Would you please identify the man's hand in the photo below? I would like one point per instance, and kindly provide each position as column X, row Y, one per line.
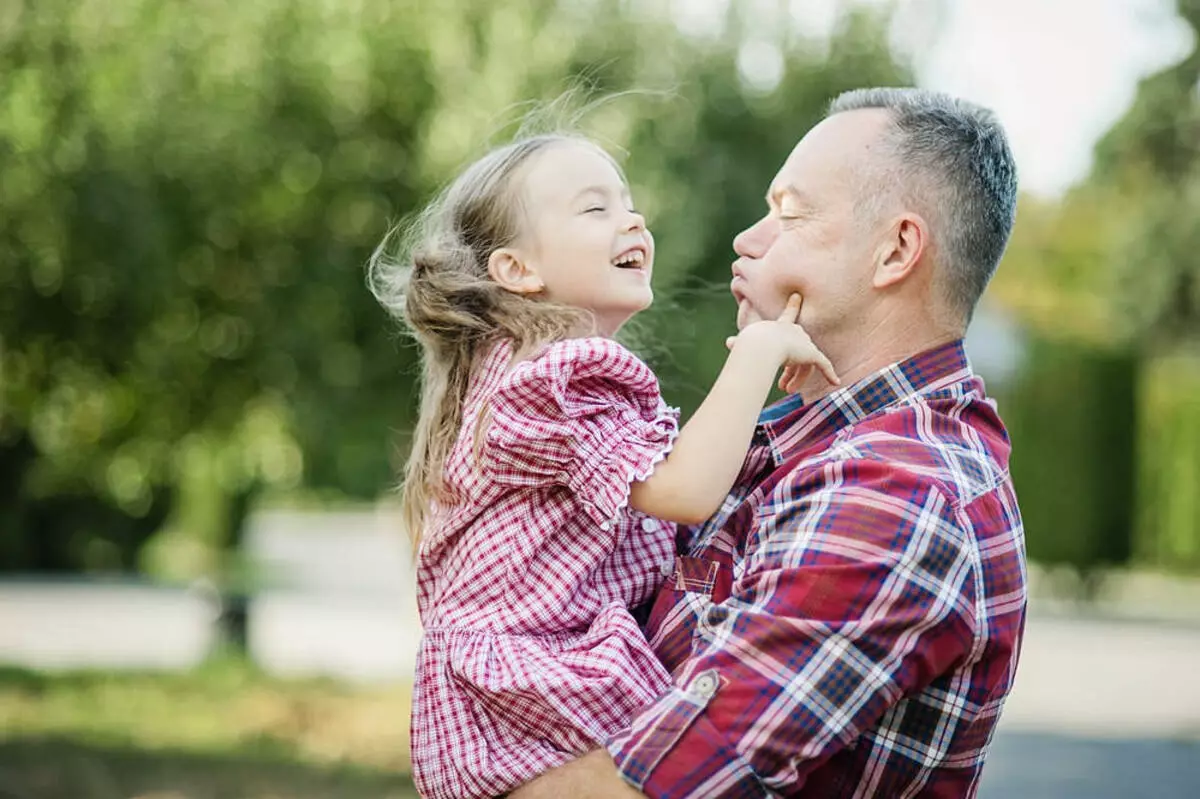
column 592, row 775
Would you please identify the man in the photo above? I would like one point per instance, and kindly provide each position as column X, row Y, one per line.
column 848, row 625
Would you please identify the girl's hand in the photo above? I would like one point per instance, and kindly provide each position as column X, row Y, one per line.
column 783, row 342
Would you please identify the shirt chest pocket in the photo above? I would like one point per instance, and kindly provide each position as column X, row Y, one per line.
column 710, row 577
column 689, row 592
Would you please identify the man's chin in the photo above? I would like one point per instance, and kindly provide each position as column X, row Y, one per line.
column 746, row 315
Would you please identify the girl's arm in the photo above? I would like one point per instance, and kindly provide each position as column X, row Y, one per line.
column 690, row 485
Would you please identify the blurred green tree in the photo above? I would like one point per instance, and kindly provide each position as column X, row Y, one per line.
column 1108, row 282
column 185, row 220
column 1151, row 159
column 190, row 196
column 1152, row 156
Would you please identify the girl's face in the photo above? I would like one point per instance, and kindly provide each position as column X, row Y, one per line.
column 582, row 243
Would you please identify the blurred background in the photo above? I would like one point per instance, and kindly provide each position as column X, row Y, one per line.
column 204, row 588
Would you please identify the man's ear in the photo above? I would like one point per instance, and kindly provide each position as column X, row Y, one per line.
column 513, row 273
column 900, row 253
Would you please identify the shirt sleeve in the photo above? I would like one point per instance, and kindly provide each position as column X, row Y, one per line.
column 860, row 590
column 585, row 414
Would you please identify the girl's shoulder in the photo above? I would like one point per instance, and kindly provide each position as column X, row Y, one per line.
column 583, row 364
column 585, row 414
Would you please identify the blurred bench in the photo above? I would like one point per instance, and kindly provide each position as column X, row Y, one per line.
column 338, row 595
column 331, row 593
column 76, row 623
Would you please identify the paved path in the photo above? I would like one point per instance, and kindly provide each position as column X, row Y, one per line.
column 1103, row 708
column 1046, row 766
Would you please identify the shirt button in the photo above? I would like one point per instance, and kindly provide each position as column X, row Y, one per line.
column 705, row 685
column 668, row 569
column 605, row 526
column 648, row 525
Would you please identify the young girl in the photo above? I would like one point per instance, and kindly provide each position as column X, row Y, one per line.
column 546, row 469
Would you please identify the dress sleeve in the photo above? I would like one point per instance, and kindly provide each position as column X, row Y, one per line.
column 584, row 414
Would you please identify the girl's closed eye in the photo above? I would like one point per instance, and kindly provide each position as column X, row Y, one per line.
column 595, row 209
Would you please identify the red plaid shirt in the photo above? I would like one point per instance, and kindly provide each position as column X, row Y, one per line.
column 530, row 655
column 849, row 623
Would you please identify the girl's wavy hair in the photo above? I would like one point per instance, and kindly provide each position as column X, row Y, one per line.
column 432, row 275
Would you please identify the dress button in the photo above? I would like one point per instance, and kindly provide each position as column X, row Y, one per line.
column 668, row 569
column 648, row 525
column 705, row 685
column 605, row 526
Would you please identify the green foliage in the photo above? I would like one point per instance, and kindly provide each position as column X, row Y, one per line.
column 223, row 729
column 1072, row 420
column 1168, row 524
column 1151, row 162
column 190, row 197
column 185, row 221
column 1112, row 268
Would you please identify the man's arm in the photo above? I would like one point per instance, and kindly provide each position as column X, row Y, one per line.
column 593, row 776
column 860, row 592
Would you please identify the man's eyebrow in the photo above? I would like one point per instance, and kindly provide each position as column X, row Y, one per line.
column 776, row 194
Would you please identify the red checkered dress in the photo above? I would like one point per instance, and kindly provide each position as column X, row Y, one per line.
column 530, row 655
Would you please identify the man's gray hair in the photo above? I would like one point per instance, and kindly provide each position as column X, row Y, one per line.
column 952, row 158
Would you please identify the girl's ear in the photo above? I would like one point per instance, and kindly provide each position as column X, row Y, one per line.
column 513, row 273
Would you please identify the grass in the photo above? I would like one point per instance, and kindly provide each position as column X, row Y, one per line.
column 224, row 731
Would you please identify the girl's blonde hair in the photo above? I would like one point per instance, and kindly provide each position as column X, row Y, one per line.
column 433, row 276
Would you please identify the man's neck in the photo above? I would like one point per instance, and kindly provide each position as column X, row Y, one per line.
column 864, row 355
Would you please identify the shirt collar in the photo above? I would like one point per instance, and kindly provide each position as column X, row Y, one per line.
column 789, row 423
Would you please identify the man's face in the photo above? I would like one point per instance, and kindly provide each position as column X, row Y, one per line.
column 810, row 241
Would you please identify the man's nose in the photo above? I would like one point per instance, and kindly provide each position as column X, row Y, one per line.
column 754, row 241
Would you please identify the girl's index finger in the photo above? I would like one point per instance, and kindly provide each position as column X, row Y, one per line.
column 791, row 311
